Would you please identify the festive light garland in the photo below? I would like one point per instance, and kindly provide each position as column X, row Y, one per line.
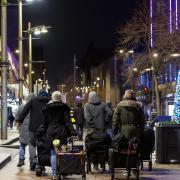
column 176, row 112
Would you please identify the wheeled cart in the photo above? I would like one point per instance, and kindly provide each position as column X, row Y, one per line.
column 125, row 159
column 70, row 163
column 146, row 157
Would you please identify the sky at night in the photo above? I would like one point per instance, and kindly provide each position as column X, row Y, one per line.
column 75, row 23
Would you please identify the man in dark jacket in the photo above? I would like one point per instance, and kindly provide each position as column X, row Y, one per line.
column 24, row 134
column 79, row 117
column 34, row 106
column 128, row 118
column 56, row 113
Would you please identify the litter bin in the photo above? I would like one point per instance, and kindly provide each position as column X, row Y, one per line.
column 167, row 143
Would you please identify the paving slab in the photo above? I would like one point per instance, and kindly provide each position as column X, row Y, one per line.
column 4, row 159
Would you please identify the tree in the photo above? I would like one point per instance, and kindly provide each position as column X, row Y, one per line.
column 176, row 114
column 153, row 48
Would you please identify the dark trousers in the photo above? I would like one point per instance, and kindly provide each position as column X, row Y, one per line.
column 32, row 147
column 79, row 130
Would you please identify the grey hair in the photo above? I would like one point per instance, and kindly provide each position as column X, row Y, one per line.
column 129, row 94
column 56, row 96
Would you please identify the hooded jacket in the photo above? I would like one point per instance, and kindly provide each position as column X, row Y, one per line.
column 55, row 121
column 96, row 113
column 128, row 118
column 34, row 107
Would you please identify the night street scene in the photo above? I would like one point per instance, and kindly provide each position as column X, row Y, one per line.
column 90, row 89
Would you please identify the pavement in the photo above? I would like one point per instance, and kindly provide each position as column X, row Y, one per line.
column 9, row 152
column 7, row 146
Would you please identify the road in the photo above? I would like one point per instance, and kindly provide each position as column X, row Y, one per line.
column 11, row 172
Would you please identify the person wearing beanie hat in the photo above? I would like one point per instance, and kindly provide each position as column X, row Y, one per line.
column 34, row 107
column 56, row 115
column 93, row 107
column 96, row 114
column 43, row 92
column 128, row 118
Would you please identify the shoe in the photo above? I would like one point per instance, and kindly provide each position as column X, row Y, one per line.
column 20, row 163
column 32, row 166
column 96, row 167
column 54, row 177
column 125, row 173
column 134, row 172
column 43, row 168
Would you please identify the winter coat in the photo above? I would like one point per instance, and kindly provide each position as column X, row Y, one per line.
column 109, row 123
column 34, row 106
column 96, row 113
column 55, row 122
column 79, row 115
column 128, row 119
column 24, row 129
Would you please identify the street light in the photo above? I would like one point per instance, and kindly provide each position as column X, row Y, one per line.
column 17, row 51
column 44, row 77
column 4, row 67
column 20, row 47
column 37, row 31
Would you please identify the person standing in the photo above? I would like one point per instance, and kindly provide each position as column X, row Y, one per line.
column 79, row 117
column 128, row 118
column 24, row 134
column 34, row 107
column 97, row 115
column 56, row 114
column 11, row 119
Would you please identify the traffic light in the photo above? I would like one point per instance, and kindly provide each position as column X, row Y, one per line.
column 146, row 90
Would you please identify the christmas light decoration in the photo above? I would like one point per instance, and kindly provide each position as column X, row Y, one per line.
column 176, row 113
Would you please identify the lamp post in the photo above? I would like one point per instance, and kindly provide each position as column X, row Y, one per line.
column 30, row 56
column 62, row 88
column 37, row 31
column 4, row 66
column 44, row 77
column 115, row 79
column 20, row 47
column 74, row 83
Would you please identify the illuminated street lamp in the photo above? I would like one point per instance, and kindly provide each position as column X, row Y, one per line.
column 20, row 47
column 155, row 55
column 17, row 51
column 121, row 51
column 26, row 65
column 131, row 51
column 37, row 31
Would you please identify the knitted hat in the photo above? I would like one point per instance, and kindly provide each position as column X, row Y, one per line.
column 91, row 94
column 43, row 92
